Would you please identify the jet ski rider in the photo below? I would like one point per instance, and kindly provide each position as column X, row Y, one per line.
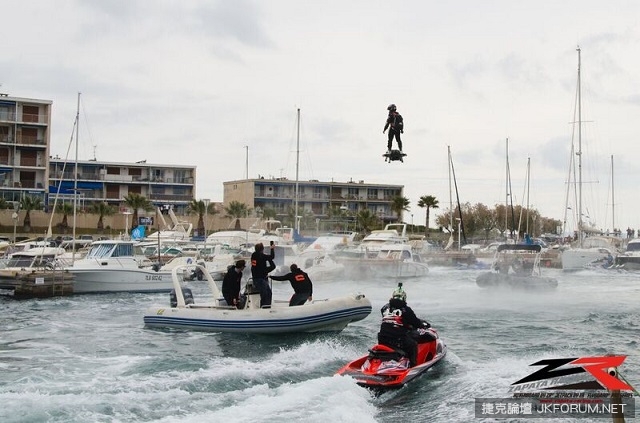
column 399, row 324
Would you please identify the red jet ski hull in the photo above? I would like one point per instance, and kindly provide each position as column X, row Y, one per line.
column 385, row 368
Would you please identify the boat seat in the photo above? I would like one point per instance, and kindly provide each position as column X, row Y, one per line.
column 396, row 354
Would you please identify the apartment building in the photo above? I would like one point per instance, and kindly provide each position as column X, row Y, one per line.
column 315, row 197
column 110, row 182
column 24, row 147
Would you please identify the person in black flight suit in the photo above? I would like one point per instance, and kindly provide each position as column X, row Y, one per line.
column 232, row 282
column 398, row 323
column 396, row 127
column 301, row 284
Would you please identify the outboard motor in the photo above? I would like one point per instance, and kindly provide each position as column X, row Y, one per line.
column 186, row 293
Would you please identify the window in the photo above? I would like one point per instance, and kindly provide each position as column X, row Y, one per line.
column 30, row 113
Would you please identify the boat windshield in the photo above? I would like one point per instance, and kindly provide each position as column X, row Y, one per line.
column 20, row 261
column 110, row 250
column 633, row 246
column 100, row 250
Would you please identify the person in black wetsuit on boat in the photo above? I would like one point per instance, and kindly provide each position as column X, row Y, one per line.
column 261, row 265
column 232, row 282
column 301, row 284
column 398, row 325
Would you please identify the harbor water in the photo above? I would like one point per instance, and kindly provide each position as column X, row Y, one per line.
column 89, row 358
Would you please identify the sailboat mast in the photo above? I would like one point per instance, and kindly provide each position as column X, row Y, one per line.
column 450, row 193
column 75, row 183
column 506, row 190
column 613, row 198
column 297, row 222
column 579, row 153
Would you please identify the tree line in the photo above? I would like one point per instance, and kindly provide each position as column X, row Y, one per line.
column 477, row 220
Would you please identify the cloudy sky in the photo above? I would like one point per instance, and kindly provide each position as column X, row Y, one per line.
column 194, row 82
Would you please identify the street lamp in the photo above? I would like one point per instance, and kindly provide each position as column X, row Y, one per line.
column 459, row 231
column 344, row 216
column 206, row 211
column 411, row 222
column 14, row 216
column 126, row 226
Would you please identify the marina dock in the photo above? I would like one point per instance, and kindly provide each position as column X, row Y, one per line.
column 37, row 284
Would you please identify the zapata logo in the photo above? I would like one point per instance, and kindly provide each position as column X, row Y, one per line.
column 556, row 370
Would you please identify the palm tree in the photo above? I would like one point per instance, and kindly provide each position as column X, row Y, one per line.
column 269, row 213
column 236, row 210
column 212, row 210
column 430, row 202
column 65, row 209
column 198, row 207
column 136, row 201
column 367, row 220
column 102, row 209
column 27, row 204
column 399, row 204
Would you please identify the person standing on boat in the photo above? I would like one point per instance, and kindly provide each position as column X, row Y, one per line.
column 232, row 282
column 261, row 265
column 396, row 127
column 301, row 284
column 398, row 325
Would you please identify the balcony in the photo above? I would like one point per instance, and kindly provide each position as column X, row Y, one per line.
column 25, row 183
column 23, row 140
column 30, row 118
column 170, row 197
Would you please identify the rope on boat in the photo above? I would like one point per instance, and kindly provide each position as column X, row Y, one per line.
column 635, row 391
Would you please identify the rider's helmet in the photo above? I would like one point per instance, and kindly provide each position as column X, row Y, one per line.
column 399, row 294
column 392, row 107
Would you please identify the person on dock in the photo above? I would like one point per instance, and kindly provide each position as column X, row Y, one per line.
column 261, row 265
column 301, row 284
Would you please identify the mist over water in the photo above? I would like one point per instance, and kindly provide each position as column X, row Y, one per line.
column 89, row 358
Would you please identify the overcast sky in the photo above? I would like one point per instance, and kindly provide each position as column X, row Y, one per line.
column 194, row 82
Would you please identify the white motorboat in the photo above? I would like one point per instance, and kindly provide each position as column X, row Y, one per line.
column 397, row 260
column 178, row 231
column 393, row 233
column 315, row 262
column 117, row 266
column 630, row 259
column 36, row 273
column 392, row 260
column 213, row 314
column 595, row 250
column 235, row 238
column 516, row 266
